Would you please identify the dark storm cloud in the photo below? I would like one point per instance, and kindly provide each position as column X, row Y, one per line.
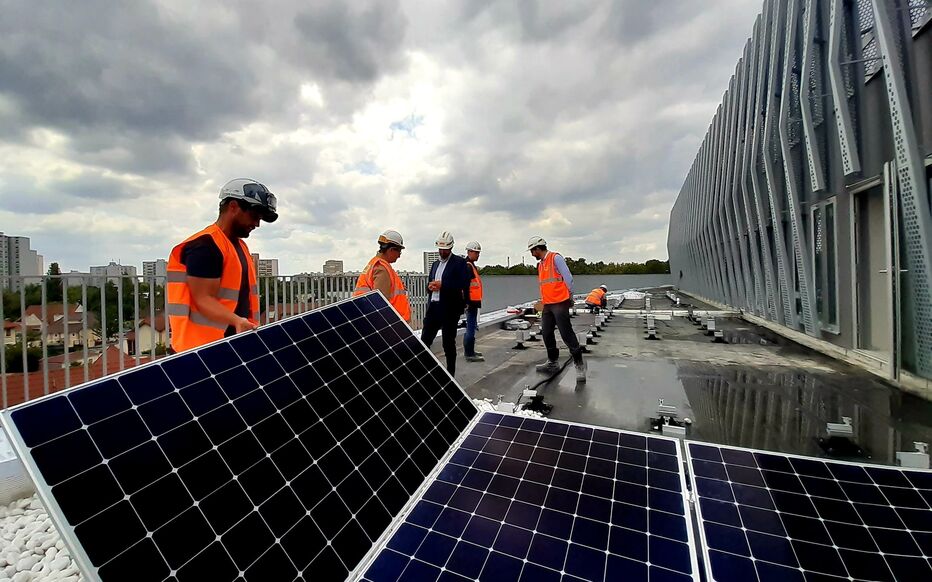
column 351, row 41
column 25, row 195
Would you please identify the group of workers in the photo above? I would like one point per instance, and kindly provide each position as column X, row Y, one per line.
column 213, row 288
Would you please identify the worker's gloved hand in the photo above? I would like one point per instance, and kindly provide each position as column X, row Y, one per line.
column 243, row 324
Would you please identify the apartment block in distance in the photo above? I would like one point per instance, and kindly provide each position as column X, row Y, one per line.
column 333, row 267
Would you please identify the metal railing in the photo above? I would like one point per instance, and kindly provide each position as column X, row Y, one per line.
column 63, row 330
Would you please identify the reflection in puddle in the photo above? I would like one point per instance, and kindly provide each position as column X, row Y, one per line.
column 787, row 411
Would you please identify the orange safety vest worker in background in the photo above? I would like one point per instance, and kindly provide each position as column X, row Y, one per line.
column 475, row 286
column 555, row 291
column 553, row 288
column 595, row 296
column 209, row 295
column 373, row 276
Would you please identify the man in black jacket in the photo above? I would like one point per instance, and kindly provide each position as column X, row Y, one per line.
column 448, row 292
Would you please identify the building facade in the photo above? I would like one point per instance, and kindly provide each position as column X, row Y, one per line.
column 333, row 267
column 268, row 268
column 807, row 204
column 18, row 259
column 157, row 268
column 111, row 273
column 429, row 258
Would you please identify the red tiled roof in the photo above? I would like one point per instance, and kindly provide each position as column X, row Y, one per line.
column 16, row 386
column 51, row 310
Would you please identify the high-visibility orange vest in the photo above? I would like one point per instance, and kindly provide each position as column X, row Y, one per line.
column 189, row 327
column 475, row 286
column 595, row 296
column 553, row 289
column 399, row 296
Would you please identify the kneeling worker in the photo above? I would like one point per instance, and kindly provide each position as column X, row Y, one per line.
column 556, row 293
column 473, row 305
column 379, row 274
column 597, row 299
column 212, row 285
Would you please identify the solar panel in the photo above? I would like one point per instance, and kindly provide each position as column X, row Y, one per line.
column 770, row 516
column 528, row 499
column 280, row 454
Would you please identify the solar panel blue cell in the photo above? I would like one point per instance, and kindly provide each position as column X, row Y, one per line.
column 292, row 462
column 518, row 518
column 769, row 516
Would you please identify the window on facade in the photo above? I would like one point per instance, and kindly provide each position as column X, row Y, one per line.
column 824, row 264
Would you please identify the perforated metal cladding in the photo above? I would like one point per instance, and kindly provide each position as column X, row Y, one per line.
column 842, row 82
column 919, row 12
column 810, row 98
column 789, row 111
column 913, row 195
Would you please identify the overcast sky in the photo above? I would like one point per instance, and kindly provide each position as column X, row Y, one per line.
column 574, row 120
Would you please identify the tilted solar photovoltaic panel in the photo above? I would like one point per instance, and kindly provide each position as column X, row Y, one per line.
column 535, row 500
column 280, row 454
column 769, row 516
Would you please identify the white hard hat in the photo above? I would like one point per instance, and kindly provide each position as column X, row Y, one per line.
column 603, row 287
column 392, row 237
column 536, row 241
column 445, row 240
column 474, row 246
column 254, row 193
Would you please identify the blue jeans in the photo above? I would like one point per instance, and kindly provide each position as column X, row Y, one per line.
column 472, row 324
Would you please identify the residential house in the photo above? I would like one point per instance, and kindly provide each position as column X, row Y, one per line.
column 149, row 330
column 10, row 331
column 55, row 325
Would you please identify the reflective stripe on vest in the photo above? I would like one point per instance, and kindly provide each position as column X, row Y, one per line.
column 553, row 288
column 398, row 295
column 191, row 328
column 475, row 286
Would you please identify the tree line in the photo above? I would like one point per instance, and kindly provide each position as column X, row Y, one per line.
column 582, row 267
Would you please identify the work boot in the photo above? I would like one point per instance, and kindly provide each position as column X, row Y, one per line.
column 551, row 367
column 480, row 354
column 476, row 358
column 581, row 371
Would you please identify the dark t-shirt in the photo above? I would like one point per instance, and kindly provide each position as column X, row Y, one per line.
column 203, row 258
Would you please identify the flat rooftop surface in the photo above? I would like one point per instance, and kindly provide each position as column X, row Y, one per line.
column 758, row 390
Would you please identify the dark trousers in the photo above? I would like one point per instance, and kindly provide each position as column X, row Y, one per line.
column 440, row 318
column 558, row 315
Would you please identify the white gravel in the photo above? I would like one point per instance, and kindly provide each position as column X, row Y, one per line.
column 30, row 547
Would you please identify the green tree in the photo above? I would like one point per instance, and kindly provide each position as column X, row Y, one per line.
column 14, row 358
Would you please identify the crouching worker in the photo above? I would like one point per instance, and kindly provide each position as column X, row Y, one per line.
column 597, row 299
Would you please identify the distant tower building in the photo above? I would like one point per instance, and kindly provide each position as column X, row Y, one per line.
column 157, row 268
column 17, row 259
column 255, row 262
column 333, row 267
column 429, row 258
column 268, row 268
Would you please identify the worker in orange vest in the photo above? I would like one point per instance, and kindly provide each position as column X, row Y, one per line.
column 380, row 275
column 556, row 293
column 473, row 304
column 212, row 286
column 597, row 299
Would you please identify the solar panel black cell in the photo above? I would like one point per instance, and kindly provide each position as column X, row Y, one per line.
column 496, row 512
column 287, row 467
column 769, row 516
